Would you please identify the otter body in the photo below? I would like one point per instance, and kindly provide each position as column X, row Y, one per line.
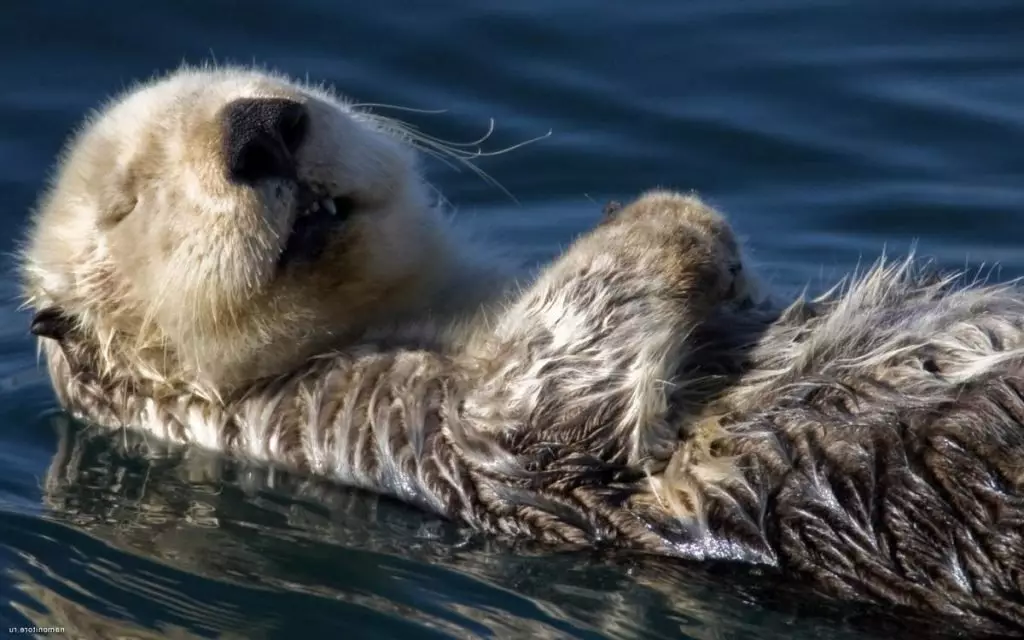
column 637, row 394
column 880, row 431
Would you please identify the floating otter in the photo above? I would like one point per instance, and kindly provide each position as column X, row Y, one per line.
column 636, row 394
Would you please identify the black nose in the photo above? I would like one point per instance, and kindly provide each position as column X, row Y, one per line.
column 261, row 136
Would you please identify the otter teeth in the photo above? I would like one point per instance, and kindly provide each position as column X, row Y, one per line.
column 327, row 204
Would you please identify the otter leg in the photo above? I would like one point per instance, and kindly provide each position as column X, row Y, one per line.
column 587, row 357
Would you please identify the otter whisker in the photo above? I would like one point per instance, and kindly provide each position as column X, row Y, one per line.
column 380, row 105
column 455, row 150
column 459, row 148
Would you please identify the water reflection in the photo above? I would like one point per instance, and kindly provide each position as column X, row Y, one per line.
column 141, row 538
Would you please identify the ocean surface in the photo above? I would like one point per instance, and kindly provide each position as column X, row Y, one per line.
column 829, row 132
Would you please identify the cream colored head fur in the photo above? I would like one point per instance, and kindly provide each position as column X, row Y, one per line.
column 146, row 242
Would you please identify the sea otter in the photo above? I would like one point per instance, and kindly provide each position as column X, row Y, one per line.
column 233, row 260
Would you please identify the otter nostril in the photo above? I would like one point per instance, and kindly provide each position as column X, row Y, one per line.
column 293, row 125
column 261, row 137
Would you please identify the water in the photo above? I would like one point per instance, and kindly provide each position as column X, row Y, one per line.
column 827, row 130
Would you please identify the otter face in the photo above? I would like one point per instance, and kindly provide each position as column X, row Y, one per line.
column 222, row 225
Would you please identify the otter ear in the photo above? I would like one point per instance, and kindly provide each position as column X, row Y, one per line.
column 51, row 323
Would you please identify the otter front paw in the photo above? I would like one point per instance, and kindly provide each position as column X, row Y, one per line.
column 601, row 336
column 690, row 241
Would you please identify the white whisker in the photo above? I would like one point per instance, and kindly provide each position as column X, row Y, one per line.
column 461, row 153
column 395, row 107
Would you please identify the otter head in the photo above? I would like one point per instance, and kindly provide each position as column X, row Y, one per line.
column 216, row 226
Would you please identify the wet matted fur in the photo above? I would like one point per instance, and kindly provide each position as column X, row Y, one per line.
column 179, row 508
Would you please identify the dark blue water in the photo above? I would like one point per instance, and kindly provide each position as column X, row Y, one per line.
column 828, row 131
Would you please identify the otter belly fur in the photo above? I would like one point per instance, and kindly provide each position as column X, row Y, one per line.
column 233, row 260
